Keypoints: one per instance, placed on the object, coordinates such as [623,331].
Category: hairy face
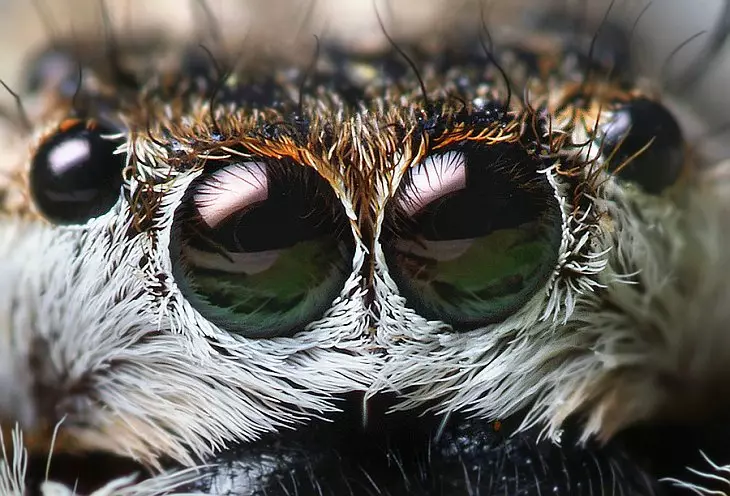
[465,267]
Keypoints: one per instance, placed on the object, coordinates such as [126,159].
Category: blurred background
[664,27]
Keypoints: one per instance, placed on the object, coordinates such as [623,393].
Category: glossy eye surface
[474,233]
[74,174]
[638,124]
[261,248]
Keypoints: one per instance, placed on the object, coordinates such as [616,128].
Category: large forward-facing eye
[74,173]
[261,248]
[473,234]
[645,145]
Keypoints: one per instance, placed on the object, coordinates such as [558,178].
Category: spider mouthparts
[400,453]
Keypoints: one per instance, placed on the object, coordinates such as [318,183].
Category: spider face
[355,277]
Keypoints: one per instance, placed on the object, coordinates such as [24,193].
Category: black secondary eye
[262,248]
[74,173]
[53,68]
[473,234]
[644,123]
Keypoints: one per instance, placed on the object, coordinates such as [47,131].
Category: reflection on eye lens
[261,249]
[473,234]
[638,124]
[75,174]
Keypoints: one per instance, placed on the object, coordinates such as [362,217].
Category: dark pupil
[292,213]
[490,201]
[75,175]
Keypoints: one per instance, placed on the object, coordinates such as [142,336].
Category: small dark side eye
[641,139]
[645,145]
[74,173]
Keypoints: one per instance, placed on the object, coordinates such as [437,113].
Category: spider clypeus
[482,265]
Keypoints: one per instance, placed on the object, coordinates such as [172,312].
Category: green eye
[472,234]
[260,248]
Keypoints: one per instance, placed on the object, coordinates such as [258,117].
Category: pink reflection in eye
[229,190]
[435,177]
[68,154]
